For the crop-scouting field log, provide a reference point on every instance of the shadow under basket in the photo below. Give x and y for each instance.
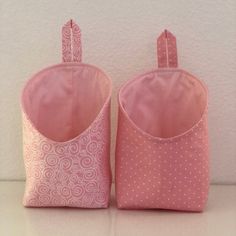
(66, 132)
(162, 158)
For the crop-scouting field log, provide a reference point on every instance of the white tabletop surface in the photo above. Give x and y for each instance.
(218, 219)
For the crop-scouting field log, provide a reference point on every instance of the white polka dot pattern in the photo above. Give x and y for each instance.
(154, 172)
(161, 173)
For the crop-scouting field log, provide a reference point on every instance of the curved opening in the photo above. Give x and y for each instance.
(62, 101)
(164, 103)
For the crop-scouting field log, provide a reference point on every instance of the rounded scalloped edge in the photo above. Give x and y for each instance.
(156, 138)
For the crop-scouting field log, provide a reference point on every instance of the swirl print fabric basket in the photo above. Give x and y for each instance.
(66, 132)
(162, 158)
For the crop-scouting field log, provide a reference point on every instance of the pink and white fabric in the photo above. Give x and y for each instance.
(66, 132)
(162, 158)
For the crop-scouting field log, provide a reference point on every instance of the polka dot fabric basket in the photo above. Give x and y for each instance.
(162, 138)
(66, 132)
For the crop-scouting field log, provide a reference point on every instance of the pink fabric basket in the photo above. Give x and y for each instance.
(162, 156)
(66, 132)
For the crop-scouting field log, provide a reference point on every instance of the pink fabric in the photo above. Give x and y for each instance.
(76, 93)
(71, 42)
(66, 134)
(162, 139)
(167, 50)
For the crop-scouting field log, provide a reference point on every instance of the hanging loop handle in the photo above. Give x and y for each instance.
(71, 42)
(167, 50)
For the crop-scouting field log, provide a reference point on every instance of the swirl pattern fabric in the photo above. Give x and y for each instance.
(71, 41)
(66, 131)
(74, 173)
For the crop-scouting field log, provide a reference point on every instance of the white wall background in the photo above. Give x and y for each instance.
(120, 37)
